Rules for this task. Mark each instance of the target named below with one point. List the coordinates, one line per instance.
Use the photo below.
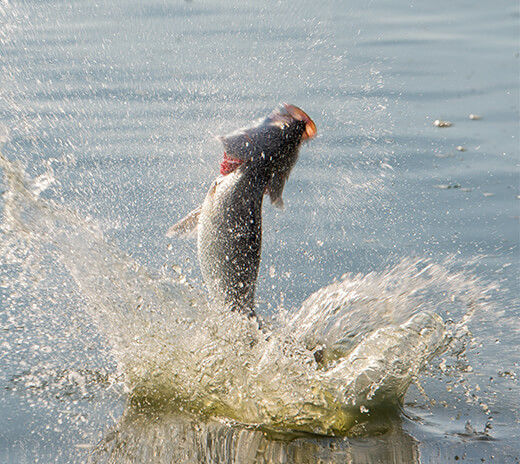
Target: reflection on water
(154, 437)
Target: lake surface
(111, 110)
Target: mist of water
(377, 332)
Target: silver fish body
(257, 161)
(229, 240)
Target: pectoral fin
(275, 190)
(186, 227)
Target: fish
(257, 161)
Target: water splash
(377, 332)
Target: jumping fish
(228, 225)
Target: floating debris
(474, 117)
(488, 194)
(441, 123)
(461, 148)
(508, 374)
(447, 186)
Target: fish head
(271, 145)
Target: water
(108, 114)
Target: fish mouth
(299, 115)
(288, 114)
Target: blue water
(122, 102)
